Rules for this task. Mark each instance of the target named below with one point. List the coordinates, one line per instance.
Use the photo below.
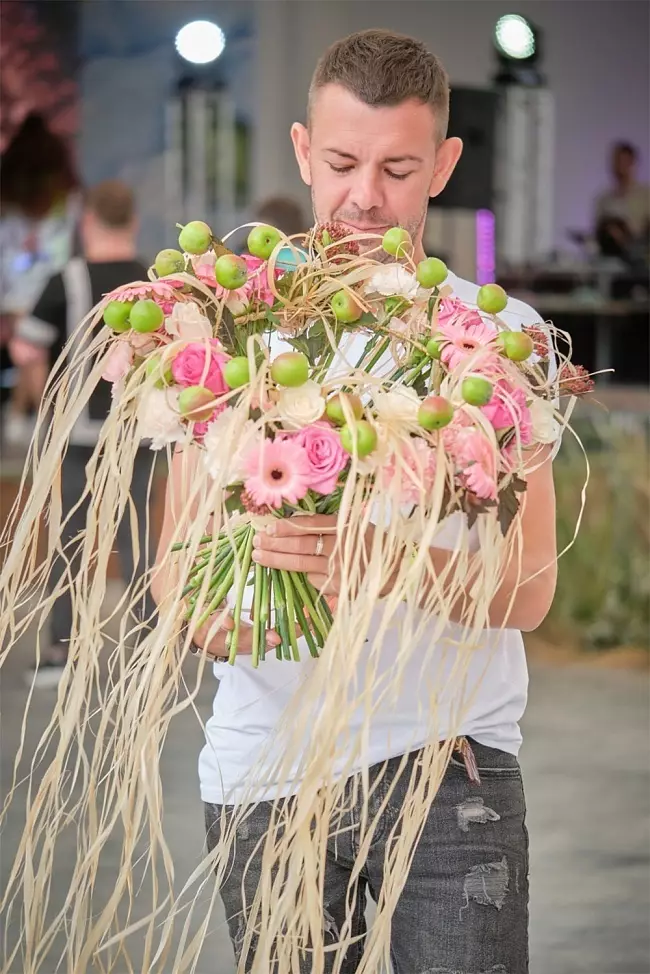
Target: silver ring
(320, 544)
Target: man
(373, 153)
(108, 236)
(622, 217)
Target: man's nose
(366, 192)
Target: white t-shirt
(251, 702)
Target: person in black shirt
(108, 235)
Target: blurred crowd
(47, 221)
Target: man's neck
(109, 249)
(624, 184)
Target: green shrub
(603, 591)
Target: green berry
(435, 412)
(476, 391)
(434, 348)
(359, 439)
(195, 237)
(146, 316)
(290, 369)
(492, 299)
(116, 315)
(169, 262)
(431, 272)
(236, 372)
(396, 241)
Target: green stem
(233, 636)
(312, 637)
(368, 348)
(195, 577)
(265, 609)
(224, 584)
(291, 614)
(300, 582)
(282, 651)
(208, 538)
(258, 630)
(382, 349)
(219, 595)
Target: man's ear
(302, 148)
(447, 157)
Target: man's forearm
(521, 601)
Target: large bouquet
(432, 382)
(324, 374)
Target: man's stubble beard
(414, 227)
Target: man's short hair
(113, 203)
(381, 68)
(625, 148)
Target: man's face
(623, 164)
(372, 168)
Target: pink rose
(326, 456)
(508, 408)
(118, 362)
(200, 364)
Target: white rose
(188, 323)
(393, 279)
(225, 443)
(235, 304)
(546, 428)
(400, 405)
(158, 418)
(301, 406)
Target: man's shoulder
(516, 310)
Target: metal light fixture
(200, 42)
(515, 38)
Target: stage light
(200, 42)
(515, 38)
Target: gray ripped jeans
(464, 907)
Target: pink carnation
(258, 280)
(508, 408)
(463, 331)
(326, 456)
(415, 469)
(277, 471)
(118, 362)
(198, 364)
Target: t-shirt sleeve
(46, 324)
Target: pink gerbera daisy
(276, 472)
(158, 290)
(463, 331)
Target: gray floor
(586, 767)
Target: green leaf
(284, 284)
(234, 504)
(227, 330)
(365, 321)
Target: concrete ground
(586, 766)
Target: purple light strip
(485, 247)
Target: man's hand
(215, 647)
(302, 544)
